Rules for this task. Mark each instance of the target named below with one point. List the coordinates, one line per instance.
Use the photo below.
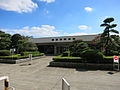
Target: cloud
(48, 1)
(46, 12)
(83, 27)
(88, 9)
(18, 5)
(42, 31)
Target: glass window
(60, 39)
(69, 38)
(73, 38)
(56, 39)
(52, 39)
(64, 38)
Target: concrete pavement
(39, 76)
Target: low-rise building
(57, 45)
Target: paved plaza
(39, 76)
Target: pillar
(55, 49)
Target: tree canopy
(20, 43)
(77, 47)
(106, 39)
(4, 40)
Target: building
(57, 45)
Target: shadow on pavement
(81, 69)
(112, 72)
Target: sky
(51, 18)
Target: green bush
(108, 60)
(105, 60)
(76, 54)
(27, 53)
(77, 47)
(39, 54)
(92, 56)
(68, 59)
(113, 53)
(66, 54)
(14, 57)
(57, 57)
(18, 56)
(4, 53)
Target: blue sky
(46, 18)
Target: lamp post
(12, 52)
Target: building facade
(57, 45)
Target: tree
(105, 36)
(4, 40)
(21, 44)
(15, 38)
(26, 46)
(78, 47)
(15, 41)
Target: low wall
(82, 65)
(10, 61)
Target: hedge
(68, 59)
(27, 53)
(14, 57)
(106, 60)
(57, 57)
(66, 54)
(92, 56)
(18, 56)
(39, 54)
(4, 53)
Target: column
(55, 49)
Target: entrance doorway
(47, 49)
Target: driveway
(38, 76)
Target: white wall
(57, 39)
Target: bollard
(30, 58)
(6, 84)
(65, 85)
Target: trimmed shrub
(66, 54)
(92, 56)
(77, 47)
(113, 53)
(107, 60)
(13, 57)
(68, 59)
(4, 53)
(27, 53)
(76, 54)
(39, 54)
(18, 56)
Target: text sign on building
(116, 59)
